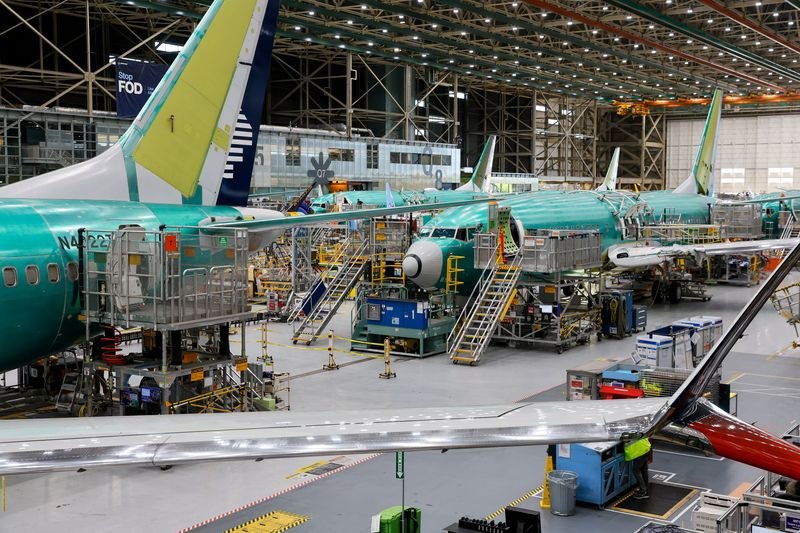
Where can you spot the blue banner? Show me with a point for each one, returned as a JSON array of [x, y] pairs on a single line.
[[136, 80]]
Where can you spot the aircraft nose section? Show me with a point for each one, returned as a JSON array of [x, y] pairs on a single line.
[[423, 264]]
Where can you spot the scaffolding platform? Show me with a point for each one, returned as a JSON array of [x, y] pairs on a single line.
[[173, 279]]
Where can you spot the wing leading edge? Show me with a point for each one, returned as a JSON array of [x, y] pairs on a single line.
[[47, 445], [256, 225], [641, 256]]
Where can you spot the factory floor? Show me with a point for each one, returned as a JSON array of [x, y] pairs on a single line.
[[340, 494]]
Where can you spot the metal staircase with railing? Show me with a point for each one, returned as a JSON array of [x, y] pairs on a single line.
[[352, 268], [477, 322], [790, 231]]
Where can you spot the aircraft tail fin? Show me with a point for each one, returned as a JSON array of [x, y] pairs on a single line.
[[483, 170], [194, 141], [701, 179], [610, 181], [389, 196]]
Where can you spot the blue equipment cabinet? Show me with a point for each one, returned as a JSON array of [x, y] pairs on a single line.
[[397, 313], [603, 472], [617, 316]]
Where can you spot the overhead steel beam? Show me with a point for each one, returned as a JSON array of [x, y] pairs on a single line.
[[583, 43], [499, 37], [672, 23], [758, 28], [463, 55], [653, 44]]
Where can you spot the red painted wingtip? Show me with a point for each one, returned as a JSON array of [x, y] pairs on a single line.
[[748, 444]]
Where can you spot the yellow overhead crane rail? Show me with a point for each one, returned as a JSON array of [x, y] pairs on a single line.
[[644, 107]]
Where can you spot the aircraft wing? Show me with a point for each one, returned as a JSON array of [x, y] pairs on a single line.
[[784, 197], [642, 256], [258, 225], [47, 445]]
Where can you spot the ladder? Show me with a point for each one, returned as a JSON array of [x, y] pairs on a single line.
[[493, 298], [349, 274], [69, 391]]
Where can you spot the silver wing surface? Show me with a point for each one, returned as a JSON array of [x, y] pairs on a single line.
[[259, 225], [632, 256], [47, 445]]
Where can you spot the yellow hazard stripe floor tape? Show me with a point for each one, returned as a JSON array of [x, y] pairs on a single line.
[[273, 522], [515, 502]]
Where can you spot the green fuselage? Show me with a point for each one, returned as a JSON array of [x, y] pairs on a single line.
[[552, 210], [771, 223], [43, 318]]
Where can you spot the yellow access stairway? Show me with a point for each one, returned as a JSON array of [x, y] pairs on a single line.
[[478, 322], [349, 273]]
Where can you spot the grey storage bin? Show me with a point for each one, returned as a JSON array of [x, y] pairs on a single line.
[[563, 485]]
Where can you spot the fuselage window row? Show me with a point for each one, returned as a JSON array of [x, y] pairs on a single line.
[[32, 275]]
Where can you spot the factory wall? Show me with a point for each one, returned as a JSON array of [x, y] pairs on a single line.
[[756, 153]]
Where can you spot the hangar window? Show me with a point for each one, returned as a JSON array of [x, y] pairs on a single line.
[[342, 154], [72, 271], [292, 152], [32, 274], [394, 157], [372, 156], [10, 276], [53, 273]]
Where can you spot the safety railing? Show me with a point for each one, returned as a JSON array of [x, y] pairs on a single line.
[[134, 277]]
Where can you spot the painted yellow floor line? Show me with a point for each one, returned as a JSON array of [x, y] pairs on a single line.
[[735, 377], [772, 376], [515, 502]]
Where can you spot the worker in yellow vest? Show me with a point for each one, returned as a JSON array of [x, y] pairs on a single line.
[[638, 452]]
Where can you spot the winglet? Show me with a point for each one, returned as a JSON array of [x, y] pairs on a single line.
[[610, 181], [389, 196], [682, 401], [701, 179], [483, 170]]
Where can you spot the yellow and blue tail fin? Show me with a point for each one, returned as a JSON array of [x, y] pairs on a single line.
[[483, 170], [194, 141], [701, 179], [610, 181]]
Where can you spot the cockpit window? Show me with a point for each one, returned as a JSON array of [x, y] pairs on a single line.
[[770, 212], [425, 232], [443, 233], [471, 233], [461, 234]]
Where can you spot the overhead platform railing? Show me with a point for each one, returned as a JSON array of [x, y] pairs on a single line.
[[740, 221], [174, 278]]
